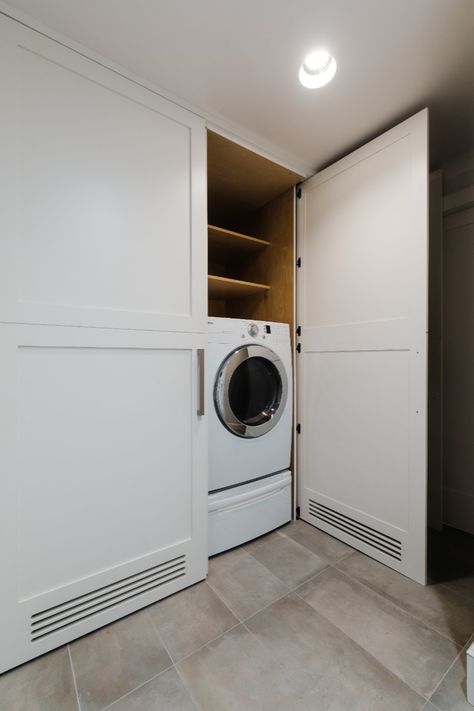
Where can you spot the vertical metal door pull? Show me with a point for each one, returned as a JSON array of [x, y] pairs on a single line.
[[200, 363]]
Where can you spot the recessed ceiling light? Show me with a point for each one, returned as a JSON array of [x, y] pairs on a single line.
[[317, 69]]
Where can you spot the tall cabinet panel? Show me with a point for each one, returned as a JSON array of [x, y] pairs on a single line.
[[103, 261], [362, 369]]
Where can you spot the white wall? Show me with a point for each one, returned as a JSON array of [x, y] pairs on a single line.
[[458, 355]]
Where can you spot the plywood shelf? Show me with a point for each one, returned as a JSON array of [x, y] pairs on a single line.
[[224, 288], [226, 244]]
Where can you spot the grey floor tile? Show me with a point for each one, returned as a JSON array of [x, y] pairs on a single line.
[[326, 669], [289, 561], [462, 586], [429, 707], [116, 659], [451, 693], [257, 542], [235, 672], [165, 693], [190, 618], [436, 605], [243, 584], [44, 684], [411, 650], [316, 541]]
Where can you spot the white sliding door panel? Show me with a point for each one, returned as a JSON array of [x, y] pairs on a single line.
[[103, 489], [362, 306], [104, 219], [103, 303]]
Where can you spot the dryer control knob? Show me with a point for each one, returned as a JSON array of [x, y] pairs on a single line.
[[253, 330]]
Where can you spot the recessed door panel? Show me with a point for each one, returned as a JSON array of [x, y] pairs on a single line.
[[105, 435], [358, 405], [104, 217], [362, 369]]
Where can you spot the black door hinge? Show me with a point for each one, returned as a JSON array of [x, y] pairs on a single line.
[[298, 330], [298, 511], [298, 193], [298, 347], [298, 428], [298, 262]]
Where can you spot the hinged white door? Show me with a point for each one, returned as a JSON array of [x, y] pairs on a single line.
[[362, 369]]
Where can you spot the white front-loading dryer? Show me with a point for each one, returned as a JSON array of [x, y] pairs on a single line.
[[250, 398]]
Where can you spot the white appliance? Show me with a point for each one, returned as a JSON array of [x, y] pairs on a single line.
[[250, 396]]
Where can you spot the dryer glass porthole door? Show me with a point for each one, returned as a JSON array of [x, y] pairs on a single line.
[[251, 391]]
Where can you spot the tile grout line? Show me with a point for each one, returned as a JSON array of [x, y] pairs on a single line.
[[432, 704], [266, 568], [175, 663], [329, 565], [372, 656], [189, 690], [74, 676], [456, 592], [289, 591], [323, 558], [408, 614], [226, 605], [237, 617], [211, 641], [243, 619], [351, 550], [290, 588], [458, 656], [399, 607], [276, 532], [265, 607], [160, 638], [186, 686], [144, 683]]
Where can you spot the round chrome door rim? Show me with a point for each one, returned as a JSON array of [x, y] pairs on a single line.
[[221, 391]]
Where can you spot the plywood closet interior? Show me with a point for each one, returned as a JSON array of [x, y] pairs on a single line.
[[251, 234]]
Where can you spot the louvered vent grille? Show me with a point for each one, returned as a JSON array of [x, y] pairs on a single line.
[[79, 608], [370, 536]]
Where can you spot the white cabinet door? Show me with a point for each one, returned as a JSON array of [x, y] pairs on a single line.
[[102, 195], [103, 487], [103, 302], [362, 370]]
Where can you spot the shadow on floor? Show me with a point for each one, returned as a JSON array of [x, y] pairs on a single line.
[[450, 555]]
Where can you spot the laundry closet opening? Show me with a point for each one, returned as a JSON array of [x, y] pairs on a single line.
[[251, 329], [251, 234]]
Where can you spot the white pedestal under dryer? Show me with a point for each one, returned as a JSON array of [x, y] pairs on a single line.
[[250, 396]]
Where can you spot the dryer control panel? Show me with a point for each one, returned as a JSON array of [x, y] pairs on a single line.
[[258, 331]]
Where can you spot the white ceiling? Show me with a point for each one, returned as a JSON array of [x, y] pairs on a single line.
[[239, 59]]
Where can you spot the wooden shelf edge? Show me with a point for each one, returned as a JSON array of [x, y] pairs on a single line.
[[256, 241], [226, 288]]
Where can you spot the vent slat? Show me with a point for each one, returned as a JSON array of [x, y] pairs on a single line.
[[366, 534], [361, 529], [363, 539], [107, 588], [104, 598], [333, 512]]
